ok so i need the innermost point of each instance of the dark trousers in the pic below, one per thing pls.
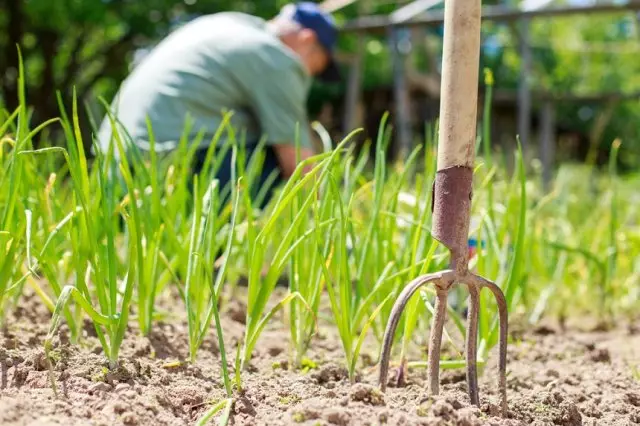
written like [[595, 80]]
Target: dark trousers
[[223, 174]]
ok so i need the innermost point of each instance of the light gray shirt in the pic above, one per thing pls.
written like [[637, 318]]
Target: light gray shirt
[[216, 63]]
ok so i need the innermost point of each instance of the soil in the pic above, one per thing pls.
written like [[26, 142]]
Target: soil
[[556, 376]]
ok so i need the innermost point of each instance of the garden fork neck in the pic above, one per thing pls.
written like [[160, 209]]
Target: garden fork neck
[[452, 192]]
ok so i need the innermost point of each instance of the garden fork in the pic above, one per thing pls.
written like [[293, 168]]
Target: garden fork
[[451, 202]]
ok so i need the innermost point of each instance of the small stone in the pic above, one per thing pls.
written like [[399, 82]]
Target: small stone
[[344, 401], [8, 362], [99, 387]]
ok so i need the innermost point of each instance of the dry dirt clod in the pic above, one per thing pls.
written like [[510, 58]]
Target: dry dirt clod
[[368, 394], [237, 311], [579, 391], [99, 387], [553, 373], [592, 410], [442, 408], [38, 361], [129, 394], [275, 350], [633, 398], [337, 416], [129, 419], [544, 330], [121, 387], [330, 373], [119, 407], [600, 355], [304, 414], [570, 415], [491, 409]]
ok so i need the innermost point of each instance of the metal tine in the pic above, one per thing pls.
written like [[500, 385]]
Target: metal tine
[[435, 340], [472, 343], [503, 315], [442, 279]]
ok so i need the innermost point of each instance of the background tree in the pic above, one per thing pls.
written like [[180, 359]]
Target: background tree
[[90, 45]]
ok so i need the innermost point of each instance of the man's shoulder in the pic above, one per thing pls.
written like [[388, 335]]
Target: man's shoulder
[[239, 32], [231, 17], [249, 39]]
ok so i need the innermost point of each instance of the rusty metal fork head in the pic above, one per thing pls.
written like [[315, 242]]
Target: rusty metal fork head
[[443, 281], [452, 198], [452, 192]]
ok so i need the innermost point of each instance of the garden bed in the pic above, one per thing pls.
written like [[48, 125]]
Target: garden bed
[[564, 377]]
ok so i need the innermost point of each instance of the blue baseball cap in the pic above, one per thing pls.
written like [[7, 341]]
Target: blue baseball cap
[[310, 15]]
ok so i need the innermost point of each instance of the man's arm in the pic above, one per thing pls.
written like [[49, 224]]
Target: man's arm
[[278, 100], [286, 154]]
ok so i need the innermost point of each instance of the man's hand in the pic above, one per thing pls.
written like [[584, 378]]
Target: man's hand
[[287, 158]]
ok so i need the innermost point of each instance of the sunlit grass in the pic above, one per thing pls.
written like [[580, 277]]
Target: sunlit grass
[[103, 239]]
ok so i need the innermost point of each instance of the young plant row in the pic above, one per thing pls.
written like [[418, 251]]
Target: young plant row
[[105, 238]]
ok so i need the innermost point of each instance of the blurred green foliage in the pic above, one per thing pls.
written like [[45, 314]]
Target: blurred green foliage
[[90, 45]]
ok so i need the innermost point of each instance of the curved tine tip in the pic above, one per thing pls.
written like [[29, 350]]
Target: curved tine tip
[[504, 324], [394, 319]]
